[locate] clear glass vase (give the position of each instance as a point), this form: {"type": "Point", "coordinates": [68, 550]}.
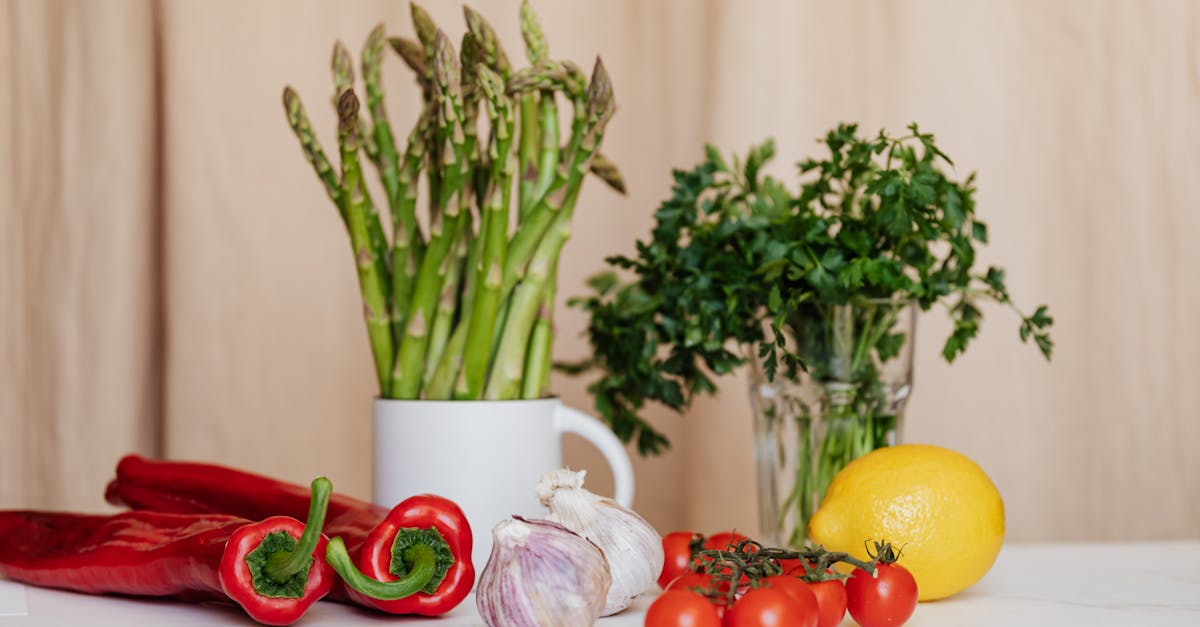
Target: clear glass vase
{"type": "Point", "coordinates": [848, 402]}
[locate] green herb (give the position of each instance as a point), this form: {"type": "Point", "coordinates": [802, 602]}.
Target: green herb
{"type": "Point", "coordinates": [736, 257]}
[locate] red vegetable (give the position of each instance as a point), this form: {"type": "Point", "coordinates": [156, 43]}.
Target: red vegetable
{"type": "Point", "coordinates": [800, 592]}
{"type": "Point", "coordinates": [678, 547]}
{"type": "Point", "coordinates": [368, 532]}
{"type": "Point", "coordinates": [831, 601]}
{"type": "Point", "coordinates": [885, 599]}
{"type": "Point", "coordinates": [830, 593]}
{"type": "Point", "coordinates": [421, 529]}
{"type": "Point", "coordinates": [274, 569]}
{"type": "Point", "coordinates": [724, 541]}
{"type": "Point", "coordinates": [764, 607]}
{"type": "Point", "coordinates": [680, 608]}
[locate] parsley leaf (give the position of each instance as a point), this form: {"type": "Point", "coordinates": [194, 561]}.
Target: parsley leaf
{"type": "Point", "coordinates": [737, 257]}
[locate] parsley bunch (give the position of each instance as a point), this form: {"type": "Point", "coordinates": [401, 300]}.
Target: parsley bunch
{"type": "Point", "coordinates": [736, 258]}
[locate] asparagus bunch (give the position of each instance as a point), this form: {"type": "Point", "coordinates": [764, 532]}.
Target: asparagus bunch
{"type": "Point", "coordinates": [462, 309]}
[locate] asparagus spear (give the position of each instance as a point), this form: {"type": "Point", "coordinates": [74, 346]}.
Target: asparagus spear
{"type": "Point", "coordinates": [548, 161]}
{"type": "Point", "coordinates": [472, 56]}
{"type": "Point", "coordinates": [488, 270]}
{"type": "Point", "coordinates": [441, 384]}
{"type": "Point", "coordinates": [575, 84]}
{"type": "Point", "coordinates": [406, 375]}
{"type": "Point", "coordinates": [475, 174]}
{"type": "Point", "coordinates": [489, 44]}
{"type": "Point", "coordinates": [408, 244]}
{"type": "Point", "coordinates": [533, 213]}
{"type": "Point", "coordinates": [607, 171]}
{"type": "Point", "coordinates": [343, 79]}
{"type": "Point", "coordinates": [447, 304]}
{"type": "Point", "coordinates": [427, 31]}
{"type": "Point", "coordinates": [490, 53]}
{"type": "Point", "coordinates": [536, 48]}
{"type": "Point", "coordinates": [527, 154]}
{"type": "Point", "coordinates": [355, 199]}
{"type": "Point", "coordinates": [535, 382]}
{"type": "Point", "coordinates": [505, 380]}
{"type": "Point", "coordinates": [538, 52]}
{"type": "Point", "coordinates": [413, 56]}
{"type": "Point", "coordinates": [381, 129]}
{"type": "Point", "coordinates": [539, 218]}
{"type": "Point", "coordinates": [427, 35]}
{"type": "Point", "coordinates": [298, 119]}
{"type": "Point", "coordinates": [342, 66]}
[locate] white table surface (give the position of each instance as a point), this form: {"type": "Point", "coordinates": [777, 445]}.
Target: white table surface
{"type": "Point", "coordinates": [1097, 585]}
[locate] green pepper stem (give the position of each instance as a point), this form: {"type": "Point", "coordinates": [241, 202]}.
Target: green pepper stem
{"type": "Point", "coordinates": [420, 560]}
{"type": "Point", "coordinates": [283, 565]}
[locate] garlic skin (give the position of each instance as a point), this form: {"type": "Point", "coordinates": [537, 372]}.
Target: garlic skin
{"type": "Point", "coordinates": [633, 548]}
{"type": "Point", "coordinates": [541, 574]}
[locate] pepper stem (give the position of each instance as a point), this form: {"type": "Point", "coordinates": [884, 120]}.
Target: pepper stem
{"type": "Point", "coordinates": [281, 566]}
{"type": "Point", "coordinates": [420, 559]}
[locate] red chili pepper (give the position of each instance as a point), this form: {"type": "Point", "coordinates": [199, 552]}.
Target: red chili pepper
{"type": "Point", "coordinates": [274, 569]}
{"type": "Point", "coordinates": [382, 544]}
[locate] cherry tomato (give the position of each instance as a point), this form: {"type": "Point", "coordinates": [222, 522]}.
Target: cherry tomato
{"type": "Point", "coordinates": [764, 607]}
{"type": "Point", "coordinates": [798, 590]}
{"type": "Point", "coordinates": [886, 599]}
{"type": "Point", "coordinates": [792, 567]}
{"type": "Point", "coordinates": [680, 608]}
{"type": "Point", "coordinates": [831, 601]}
{"type": "Point", "coordinates": [677, 551]}
{"type": "Point", "coordinates": [722, 541]}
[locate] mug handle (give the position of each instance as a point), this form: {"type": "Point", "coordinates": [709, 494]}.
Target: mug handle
{"type": "Point", "coordinates": [571, 420]}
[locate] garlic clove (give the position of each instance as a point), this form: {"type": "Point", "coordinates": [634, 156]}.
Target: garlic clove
{"type": "Point", "coordinates": [541, 574]}
{"type": "Point", "coordinates": [632, 546]}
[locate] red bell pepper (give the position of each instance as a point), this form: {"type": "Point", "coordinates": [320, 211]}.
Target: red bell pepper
{"type": "Point", "coordinates": [421, 530]}
{"type": "Point", "coordinates": [382, 543]}
{"type": "Point", "coordinates": [275, 569]}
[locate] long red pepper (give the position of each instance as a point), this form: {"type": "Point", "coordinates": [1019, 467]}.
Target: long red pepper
{"type": "Point", "coordinates": [275, 569]}
{"type": "Point", "coordinates": [388, 547]}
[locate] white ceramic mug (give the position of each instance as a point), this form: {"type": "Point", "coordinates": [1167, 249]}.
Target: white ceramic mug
{"type": "Point", "coordinates": [487, 456]}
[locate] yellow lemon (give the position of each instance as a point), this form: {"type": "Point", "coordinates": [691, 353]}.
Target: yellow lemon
{"type": "Point", "coordinates": [939, 505]}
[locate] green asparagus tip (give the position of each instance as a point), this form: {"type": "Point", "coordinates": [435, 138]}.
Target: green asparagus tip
{"type": "Point", "coordinates": [488, 42]}
{"type": "Point", "coordinates": [342, 65]}
{"type": "Point", "coordinates": [291, 101]}
{"type": "Point", "coordinates": [607, 171]}
{"type": "Point", "coordinates": [412, 53]}
{"type": "Point", "coordinates": [426, 29]}
{"type": "Point", "coordinates": [490, 82]}
{"type": "Point", "coordinates": [472, 53]}
{"type": "Point", "coordinates": [445, 62]}
{"type": "Point", "coordinates": [599, 92]}
{"type": "Point", "coordinates": [475, 21]}
{"type": "Point", "coordinates": [536, 47]}
{"type": "Point", "coordinates": [348, 109]}
{"type": "Point", "coordinates": [375, 41]}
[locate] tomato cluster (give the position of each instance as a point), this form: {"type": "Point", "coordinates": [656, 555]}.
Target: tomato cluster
{"type": "Point", "coordinates": [793, 591]}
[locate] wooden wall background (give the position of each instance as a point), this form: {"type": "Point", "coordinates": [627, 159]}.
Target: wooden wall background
{"type": "Point", "coordinates": [173, 281]}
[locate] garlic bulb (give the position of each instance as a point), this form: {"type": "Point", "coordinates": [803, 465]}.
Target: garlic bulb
{"type": "Point", "coordinates": [633, 548]}
{"type": "Point", "coordinates": [541, 574]}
